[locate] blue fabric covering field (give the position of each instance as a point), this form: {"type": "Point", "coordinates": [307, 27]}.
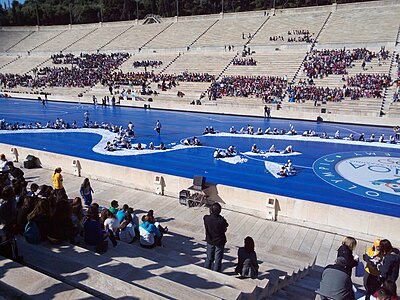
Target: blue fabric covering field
{"type": "Point", "coordinates": [360, 175]}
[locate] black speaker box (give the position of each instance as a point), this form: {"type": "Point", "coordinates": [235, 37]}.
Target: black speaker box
{"type": "Point", "coordinates": [199, 182]}
{"type": "Point", "coordinates": [28, 164]}
{"type": "Point", "coordinates": [31, 162]}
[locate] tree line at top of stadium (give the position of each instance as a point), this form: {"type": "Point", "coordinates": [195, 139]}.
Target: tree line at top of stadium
{"type": "Point", "coordinates": [61, 12]}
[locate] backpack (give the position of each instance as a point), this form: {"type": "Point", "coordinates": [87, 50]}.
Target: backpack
{"type": "Point", "coordinates": [9, 249]}
{"type": "Point", "coordinates": [32, 233]}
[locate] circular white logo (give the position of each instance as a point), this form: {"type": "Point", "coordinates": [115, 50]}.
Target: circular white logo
{"type": "Point", "coordinates": [372, 174]}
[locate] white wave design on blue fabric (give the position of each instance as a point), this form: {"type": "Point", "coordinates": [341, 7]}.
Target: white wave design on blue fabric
{"type": "Point", "coordinates": [99, 147]}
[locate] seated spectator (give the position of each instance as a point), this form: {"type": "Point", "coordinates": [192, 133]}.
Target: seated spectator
{"type": "Point", "coordinates": [109, 222]}
{"type": "Point", "coordinates": [15, 172]}
{"type": "Point", "coordinates": [8, 209]}
{"type": "Point", "coordinates": [45, 191]}
{"type": "Point", "coordinates": [33, 191]}
{"type": "Point", "coordinates": [121, 212]}
{"type": "Point", "coordinates": [127, 229]}
{"type": "Point", "coordinates": [28, 204]}
{"type": "Point", "coordinates": [77, 215]}
{"type": "Point", "coordinates": [180, 94]}
{"type": "Point", "coordinates": [150, 236]}
{"type": "Point", "coordinates": [153, 220]}
{"type": "Point", "coordinates": [388, 291]}
{"type": "Point", "coordinates": [114, 206]}
{"type": "Point", "coordinates": [247, 260]}
{"type": "Point", "coordinates": [336, 282]}
{"type": "Point", "coordinates": [60, 223]}
{"type": "Point", "coordinates": [40, 215]}
{"type": "Point", "coordinates": [93, 234]}
{"type": "Point", "coordinates": [134, 217]}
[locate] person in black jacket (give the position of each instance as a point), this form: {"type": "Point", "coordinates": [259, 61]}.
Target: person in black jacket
{"type": "Point", "coordinates": [346, 251]}
{"type": "Point", "coordinates": [389, 267]}
{"type": "Point", "coordinates": [8, 209]}
{"type": "Point", "coordinates": [15, 172]}
{"type": "Point", "coordinates": [215, 226]}
{"type": "Point", "coordinates": [60, 223]}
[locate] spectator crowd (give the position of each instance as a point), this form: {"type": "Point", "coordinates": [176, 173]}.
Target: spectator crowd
{"type": "Point", "coordinates": [293, 36]}
{"type": "Point", "coordinates": [147, 63]}
{"type": "Point", "coordinates": [321, 63]}
{"type": "Point", "coordinates": [244, 86]}
{"type": "Point", "coordinates": [86, 70]}
{"type": "Point", "coordinates": [244, 62]}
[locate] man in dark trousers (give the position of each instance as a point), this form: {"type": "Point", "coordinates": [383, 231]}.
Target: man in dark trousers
{"type": "Point", "coordinates": [215, 226]}
{"type": "Point", "coordinates": [267, 112]}
{"type": "Point", "coordinates": [158, 127]}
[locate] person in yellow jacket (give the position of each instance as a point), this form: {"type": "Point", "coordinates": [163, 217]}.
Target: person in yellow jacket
{"type": "Point", "coordinates": [58, 185]}
{"type": "Point", "coordinates": [371, 275]}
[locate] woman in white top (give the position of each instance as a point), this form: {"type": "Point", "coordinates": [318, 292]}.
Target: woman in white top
{"type": "Point", "coordinates": [109, 221]}
{"type": "Point", "coordinates": [127, 229]}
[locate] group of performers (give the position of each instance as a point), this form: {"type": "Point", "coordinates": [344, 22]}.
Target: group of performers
{"type": "Point", "coordinates": [272, 149]}
{"type": "Point", "coordinates": [210, 130]}
{"type": "Point", "coordinates": [192, 142]}
{"type": "Point", "coordinates": [393, 139]}
{"type": "Point", "coordinates": [118, 144]}
{"type": "Point", "coordinates": [287, 169]}
{"type": "Point", "coordinates": [57, 124]}
{"type": "Point", "coordinates": [221, 153]}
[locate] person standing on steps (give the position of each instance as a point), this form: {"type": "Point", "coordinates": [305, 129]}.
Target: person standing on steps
{"type": "Point", "coordinates": [58, 185]}
{"type": "Point", "coordinates": [215, 227]}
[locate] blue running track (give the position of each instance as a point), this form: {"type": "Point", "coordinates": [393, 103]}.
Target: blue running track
{"type": "Point", "coordinates": [360, 175]}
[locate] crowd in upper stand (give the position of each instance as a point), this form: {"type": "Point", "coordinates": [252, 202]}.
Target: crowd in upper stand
{"type": "Point", "coordinates": [164, 81]}
{"type": "Point", "coordinates": [302, 35]}
{"type": "Point", "coordinates": [86, 70]}
{"type": "Point", "coordinates": [89, 69]}
{"type": "Point", "coordinates": [245, 86]}
{"type": "Point", "coordinates": [321, 63]}
{"type": "Point", "coordinates": [369, 85]}
{"type": "Point", "coordinates": [298, 93]}
{"type": "Point", "coordinates": [244, 62]}
{"type": "Point", "coordinates": [9, 80]}
{"type": "Point", "coordinates": [147, 63]}
{"type": "Point", "coordinates": [102, 62]}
